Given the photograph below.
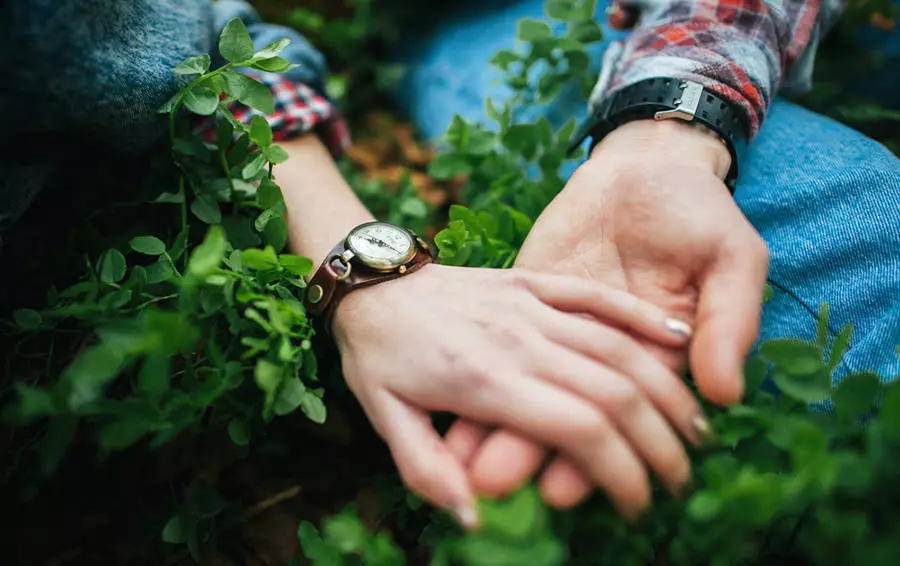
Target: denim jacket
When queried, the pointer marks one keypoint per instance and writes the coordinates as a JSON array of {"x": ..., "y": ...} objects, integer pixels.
[{"x": 95, "y": 72}]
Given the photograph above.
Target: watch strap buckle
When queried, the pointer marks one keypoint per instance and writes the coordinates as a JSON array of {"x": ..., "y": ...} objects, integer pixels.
[{"x": 686, "y": 105}]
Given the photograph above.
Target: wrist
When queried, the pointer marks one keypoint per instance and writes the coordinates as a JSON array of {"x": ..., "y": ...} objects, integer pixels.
[{"x": 665, "y": 142}]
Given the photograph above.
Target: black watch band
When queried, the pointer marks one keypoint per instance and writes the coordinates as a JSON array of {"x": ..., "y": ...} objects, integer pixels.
[{"x": 665, "y": 98}]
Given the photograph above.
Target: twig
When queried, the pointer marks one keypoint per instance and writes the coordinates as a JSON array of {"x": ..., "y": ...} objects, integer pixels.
[{"x": 274, "y": 500}]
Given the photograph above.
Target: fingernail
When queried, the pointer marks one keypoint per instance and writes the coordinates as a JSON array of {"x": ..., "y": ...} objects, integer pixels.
[
  {"x": 704, "y": 430},
  {"x": 467, "y": 516},
  {"x": 679, "y": 328}
]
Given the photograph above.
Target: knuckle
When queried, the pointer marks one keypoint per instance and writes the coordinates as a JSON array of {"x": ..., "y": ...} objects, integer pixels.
[
  {"x": 474, "y": 379},
  {"x": 516, "y": 276},
  {"x": 625, "y": 398}
]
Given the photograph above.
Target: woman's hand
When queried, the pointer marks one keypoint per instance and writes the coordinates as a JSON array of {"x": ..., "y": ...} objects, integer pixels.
[{"x": 522, "y": 351}]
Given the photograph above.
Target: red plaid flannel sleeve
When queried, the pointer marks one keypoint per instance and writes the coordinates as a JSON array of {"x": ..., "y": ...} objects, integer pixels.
[
  {"x": 744, "y": 50},
  {"x": 298, "y": 110}
]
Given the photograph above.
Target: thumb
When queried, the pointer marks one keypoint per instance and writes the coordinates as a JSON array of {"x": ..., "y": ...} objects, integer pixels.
[
  {"x": 423, "y": 459},
  {"x": 727, "y": 323}
]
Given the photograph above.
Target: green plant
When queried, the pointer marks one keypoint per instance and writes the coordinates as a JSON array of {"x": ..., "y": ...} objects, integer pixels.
[{"x": 181, "y": 327}]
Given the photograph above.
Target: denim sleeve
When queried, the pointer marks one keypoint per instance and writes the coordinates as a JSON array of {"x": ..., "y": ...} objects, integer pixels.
[{"x": 312, "y": 70}]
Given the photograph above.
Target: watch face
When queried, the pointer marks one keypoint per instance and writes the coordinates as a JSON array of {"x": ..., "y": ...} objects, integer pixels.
[{"x": 381, "y": 245}]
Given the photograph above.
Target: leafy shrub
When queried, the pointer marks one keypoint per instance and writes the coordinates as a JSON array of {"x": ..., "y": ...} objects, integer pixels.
[{"x": 204, "y": 330}]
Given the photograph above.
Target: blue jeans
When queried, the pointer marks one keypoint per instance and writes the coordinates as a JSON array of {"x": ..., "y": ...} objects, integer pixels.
[{"x": 825, "y": 198}]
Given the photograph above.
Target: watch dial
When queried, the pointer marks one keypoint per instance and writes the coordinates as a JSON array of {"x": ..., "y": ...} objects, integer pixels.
[{"x": 382, "y": 245}]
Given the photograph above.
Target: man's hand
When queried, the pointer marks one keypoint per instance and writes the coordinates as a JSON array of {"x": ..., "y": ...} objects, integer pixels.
[{"x": 647, "y": 212}]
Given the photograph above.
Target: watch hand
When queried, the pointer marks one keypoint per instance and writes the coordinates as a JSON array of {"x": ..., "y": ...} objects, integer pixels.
[{"x": 382, "y": 244}]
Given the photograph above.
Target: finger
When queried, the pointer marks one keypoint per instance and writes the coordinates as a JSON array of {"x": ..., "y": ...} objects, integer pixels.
[
  {"x": 643, "y": 426},
  {"x": 606, "y": 303},
  {"x": 563, "y": 485},
  {"x": 426, "y": 465},
  {"x": 464, "y": 439},
  {"x": 504, "y": 462},
  {"x": 727, "y": 324},
  {"x": 619, "y": 352},
  {"x": 553, "y": 417}
]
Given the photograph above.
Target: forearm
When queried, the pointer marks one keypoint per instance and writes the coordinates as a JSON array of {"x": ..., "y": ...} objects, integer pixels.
[{"x": 322, "y": 207}]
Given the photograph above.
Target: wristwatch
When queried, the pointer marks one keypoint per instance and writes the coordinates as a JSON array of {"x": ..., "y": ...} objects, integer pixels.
[
  {"x": 665, "y": 98},
  {"x": 371, "y": 253}
]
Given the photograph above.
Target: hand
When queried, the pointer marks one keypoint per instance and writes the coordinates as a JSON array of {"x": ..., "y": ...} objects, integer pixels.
[
  {"x": 647, "y": 212},
  {"x": 522, "y": 351}
]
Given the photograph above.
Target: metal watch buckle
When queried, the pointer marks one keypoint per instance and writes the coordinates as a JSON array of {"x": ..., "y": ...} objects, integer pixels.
[{"x": 686, "y": 106}]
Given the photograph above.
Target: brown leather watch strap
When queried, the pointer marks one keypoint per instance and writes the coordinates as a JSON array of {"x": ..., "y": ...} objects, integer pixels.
[{"x": 336, "y": 277}]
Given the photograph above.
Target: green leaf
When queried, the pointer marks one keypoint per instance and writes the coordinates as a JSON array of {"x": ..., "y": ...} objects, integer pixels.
[
  {"x": 806, "y": 387},
  {"x": 112, "y": 266},
  {"x": 560, "y": 10},
  {"x": 274, "y": 65},
  {"x": 840, "y": 345},
  {"x": 889, "y": 412},
  {"x": 313, "y": 407},
  {"x": 521, "y": 139},
  {"x": 123, "y": 433},
  {"x": 793, "y": 356},
  {"x": 206, "y": 208},
  {"x": 704, "y": 506},
  {"x": 268, "y": 376},
  {"x": 518, "y": 517},
  {"x": 314, "y": 548},
  {"x": 276, "y": 154},
  {"x": 261, "y": 260},
  {"x": 239, "y": 432},
  {"x": 193, "y": 65},
  {"x": 296, "y": 265},
  {"x": 148, "y": 245},
  {"x": 273, "y": 49},
  {"x": 175, "y": 530},
  {"x": 504, "y": 59},
  {"x": 255, "y": 167},
  {"x": 448, "y": 166},
  {"x": 531, "y": 30},
  {"x": 154, "y": 378},
  {"x": 855, "y": 394},
  {"x": 414, "y": 207},
  {"x": 275, "y": 233},
  {"x": 822, "y": 328},
  {"x": 171, "y": 331},
  {"x": 755, "y": 371},
  {"x": 235, "y": 44},
  {"x": 208, "y": 256},
  {"x": 290, "y": 395},
  {"x": 90, "y": 372},
  {"x": 587, "y": 31},
  {"x": 346, "y": 532},
  {"x": 33, "y": 404},
  {"x": 27, "y": 319},
  {"x": 170, "y": 198},
  {"x": 201, "y": 100},
  {"x": 159, "y": 272},
  {"x": 260, "y": 131},
  {"x": 768, "y": 293},
  {"x": 249, "y": 91},
  {"x": 269, "y": 195}
]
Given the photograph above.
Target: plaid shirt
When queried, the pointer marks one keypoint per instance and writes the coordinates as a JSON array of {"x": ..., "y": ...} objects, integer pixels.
[
  {"x": 745, "y": 50},
  {"x": 298, "y": 110}
]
